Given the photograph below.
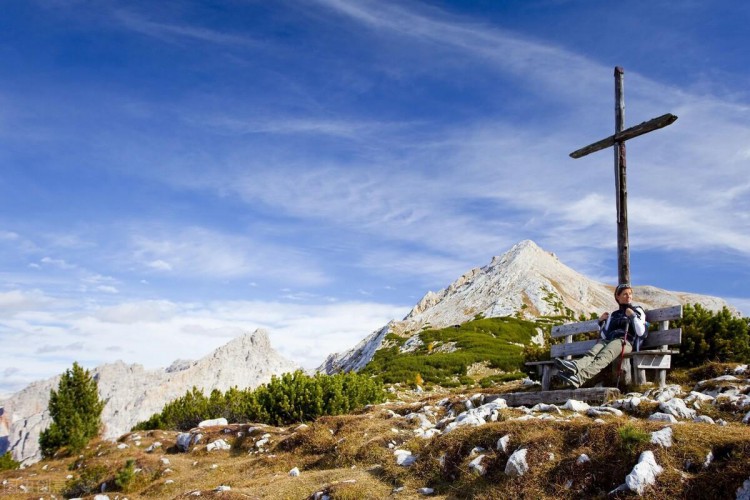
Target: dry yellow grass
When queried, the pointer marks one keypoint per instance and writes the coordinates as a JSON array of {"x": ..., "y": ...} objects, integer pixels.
[{"x": 351, "y": 457}]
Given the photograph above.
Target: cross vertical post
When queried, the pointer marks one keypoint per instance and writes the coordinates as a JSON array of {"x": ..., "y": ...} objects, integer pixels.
[
  {"x": 621, "y": 194},
  {"x": 621, "y": 188}
]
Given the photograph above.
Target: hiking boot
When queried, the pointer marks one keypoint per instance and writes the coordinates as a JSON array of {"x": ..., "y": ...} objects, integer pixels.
[
  {"x": 566, "y": 366},
  {"x": 570, "y": 379}
]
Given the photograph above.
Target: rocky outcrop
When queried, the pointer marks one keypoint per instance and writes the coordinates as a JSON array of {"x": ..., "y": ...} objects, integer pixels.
[
  {"x": 525, "y": 281},
  {"x": 133, "y": 393}
]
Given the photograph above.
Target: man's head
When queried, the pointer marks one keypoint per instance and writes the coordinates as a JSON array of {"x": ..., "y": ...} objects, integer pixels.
[{"x": 623, "y": 293}]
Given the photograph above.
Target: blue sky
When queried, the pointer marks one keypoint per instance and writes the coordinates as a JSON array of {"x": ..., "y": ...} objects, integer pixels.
[{"x": 173, "y": 174}]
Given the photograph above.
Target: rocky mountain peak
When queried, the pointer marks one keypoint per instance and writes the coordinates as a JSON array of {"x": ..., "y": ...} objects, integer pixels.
[
  {"x": 523, "y": 251},
  {"x": 526, "y": 281}
]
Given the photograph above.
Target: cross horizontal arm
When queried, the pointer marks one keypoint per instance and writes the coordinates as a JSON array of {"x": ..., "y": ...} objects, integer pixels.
[{"x": 643, "y": 128}]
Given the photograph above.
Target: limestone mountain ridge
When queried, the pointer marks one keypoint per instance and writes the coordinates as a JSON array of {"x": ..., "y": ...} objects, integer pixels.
[{"x": 134, "y": 393}]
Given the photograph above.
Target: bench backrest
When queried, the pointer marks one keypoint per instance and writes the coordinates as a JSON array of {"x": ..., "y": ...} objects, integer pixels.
[{"x": 659, "y": 338}]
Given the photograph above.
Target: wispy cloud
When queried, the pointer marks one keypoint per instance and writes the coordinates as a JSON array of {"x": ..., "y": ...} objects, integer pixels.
[
  {"x": 196, "y": 251},
  {"x": 176, "y": 32}
]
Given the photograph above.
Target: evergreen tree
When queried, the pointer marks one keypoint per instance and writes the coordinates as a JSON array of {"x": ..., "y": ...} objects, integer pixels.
[{"x": 76, "y": 411}]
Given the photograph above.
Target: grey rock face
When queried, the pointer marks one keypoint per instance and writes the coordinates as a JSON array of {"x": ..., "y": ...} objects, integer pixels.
[{"x": 133, "y": 393}]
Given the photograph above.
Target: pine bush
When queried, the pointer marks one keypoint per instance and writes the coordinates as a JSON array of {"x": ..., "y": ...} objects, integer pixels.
[
  {"x": 712, "y": 336},
  {"x": 290, "y": 398},
  {"x": 7, "y": 462},
  {"x": 76, "y": 411}
]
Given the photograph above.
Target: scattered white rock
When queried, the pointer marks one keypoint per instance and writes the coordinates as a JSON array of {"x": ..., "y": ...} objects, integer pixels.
[
  {"x": 746, "y": 420},
  {"x": 261, "y": 442},
  {"x": 546, "y": 408},
  {"x": 517, "y": 465},
  {"x": 708, "y": 460},
  {"x": 477, "y": 467},
  {"x": 743, "y": 492},
  {"x": 602, "y": 411},
  {"x": 662, "y": 417},
  {"x": 644, "y": 473},
  {"x": 704, "y": 419},
  {"x": 663, "y": 437},
  {"x": 665, "y": 393},
  {"x": 294, "y": 472},
  {"x": 101, "y": 497},
  {"x": 213, "y": 422},
  {"x": 476, "y": 451},
  {"x": 740, "y": 370},
  {"x": 164, "y": 461},
  {"x": 524, "y": 418},
  {"x": 169, "y": 481},
  {"x": 422, "y": 420},
  {"x": 183, "y": 441},
  {"x": 404, "y": 458},
  {"x": 122, "y": 446},
  {"x": 677, "y": 408},
  {"x": 425, "y": 491},
  {"x": 154, "y": 446},
  {"x": 582, "y": 459},
  {"x": 502, "y": 443},
  {"x": 576, "y": 406},
  {"x": 630, "y": 402},
  {"x": 477, "y": 398},
  {"x": 219, "y": 444},
  {"x": 699, "y": 397},
  {"x": 223, "y": 487},
  {"x": 426, "y": 434}
]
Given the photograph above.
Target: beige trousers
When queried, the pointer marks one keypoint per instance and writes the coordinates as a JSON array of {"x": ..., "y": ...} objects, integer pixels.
[{"x": 599, "y": 356}]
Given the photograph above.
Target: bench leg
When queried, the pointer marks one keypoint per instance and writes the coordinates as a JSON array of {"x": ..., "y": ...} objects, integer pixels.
[
  {"x": 547, "y": 373},
  {"x": 625, "y": 376}
]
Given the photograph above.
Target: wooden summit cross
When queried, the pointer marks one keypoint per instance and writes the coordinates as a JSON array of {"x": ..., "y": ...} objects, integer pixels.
[{"x": 621, "y": 191}]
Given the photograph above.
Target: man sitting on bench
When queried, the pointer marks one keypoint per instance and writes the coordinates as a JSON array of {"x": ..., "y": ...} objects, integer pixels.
[{"x": 617, "y": 331}]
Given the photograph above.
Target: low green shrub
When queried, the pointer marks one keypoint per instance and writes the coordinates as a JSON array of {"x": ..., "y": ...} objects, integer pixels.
[
  {"x": 7, "y": 462},
  {"x": 293, "y": 397}
]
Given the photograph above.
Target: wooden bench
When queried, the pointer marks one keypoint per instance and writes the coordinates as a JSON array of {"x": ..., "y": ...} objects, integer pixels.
[{"x": 653, "y": 355}]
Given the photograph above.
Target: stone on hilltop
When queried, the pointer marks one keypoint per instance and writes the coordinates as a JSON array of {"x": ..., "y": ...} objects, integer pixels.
[
  {"x": 213, "y": 422},
  {"x": 644, "y": 473},
  {"x": 517, "y": 465},
  {"x": 677, "y": 408},
  {"x": 663, "y": 437}
]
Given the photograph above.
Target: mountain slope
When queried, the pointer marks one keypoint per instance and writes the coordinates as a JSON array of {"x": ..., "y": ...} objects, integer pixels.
[
  {"x": 133, "y": 393},
  {"x": 527, "y": 281}
]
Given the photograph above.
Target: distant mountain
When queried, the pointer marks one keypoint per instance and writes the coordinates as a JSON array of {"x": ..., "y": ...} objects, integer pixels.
[
  {"x": 133, "y": 393},
  {"x": 526, "y": 280}
]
